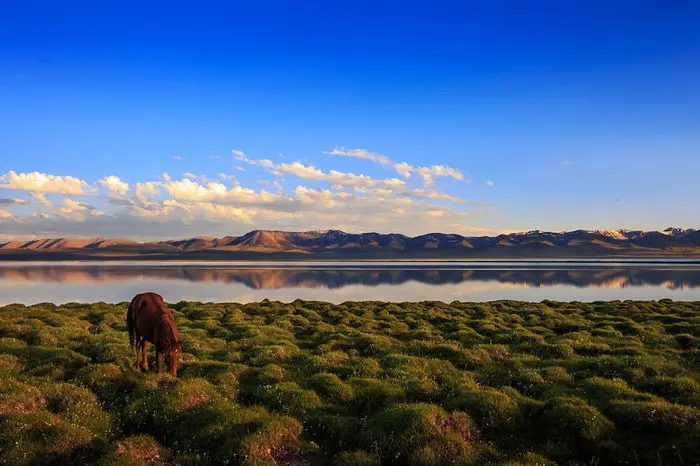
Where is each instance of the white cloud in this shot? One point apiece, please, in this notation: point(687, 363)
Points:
point(360, 154)
point(197, 205)
point(239, 155)
point(404, 169)
point(45, 183)
point(192, 211)
point(298, 169)
point(428, 174)
point(178, 157)
point(321, 197)
point(221, 211)
point(431, 194)
point(147, 190)
point(227, 177)
point(333, 177)
point(115, 185)
point(77, 209)
point(71, 206)
point(40, 198)
point(307, 209)
point(192, 176)
point(218, 193)
point(192, 191)
point(489, 183)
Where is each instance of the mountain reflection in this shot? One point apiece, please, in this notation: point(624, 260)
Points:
point(676, 277)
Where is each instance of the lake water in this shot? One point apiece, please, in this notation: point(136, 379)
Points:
point(336, 282)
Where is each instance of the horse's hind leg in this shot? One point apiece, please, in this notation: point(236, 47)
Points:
point(144, 356)
point(159, 361)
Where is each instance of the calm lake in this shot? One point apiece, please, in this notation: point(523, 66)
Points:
point(30, 283)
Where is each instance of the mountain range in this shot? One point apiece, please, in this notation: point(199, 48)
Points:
point(336, 244)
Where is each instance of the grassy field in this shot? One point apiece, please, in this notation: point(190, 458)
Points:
point(357, 383)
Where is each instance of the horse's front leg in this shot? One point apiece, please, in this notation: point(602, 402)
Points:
point(159, 361)
point(137, 366)
point(144, 356)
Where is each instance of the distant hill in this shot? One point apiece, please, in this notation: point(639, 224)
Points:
point(336, 244)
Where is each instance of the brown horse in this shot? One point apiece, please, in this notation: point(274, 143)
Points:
point(150, 321)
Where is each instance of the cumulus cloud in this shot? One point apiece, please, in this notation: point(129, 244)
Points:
point(298, 169)
point(71, 207)
point(322, 198)
point(308, 209)
point(115, 185)
point(44, 183)
point(428, 174)
point(215, 192)
point(209, 210)
point(147, 190)
point(489, 183)
point(195, 204)
point(192, 191)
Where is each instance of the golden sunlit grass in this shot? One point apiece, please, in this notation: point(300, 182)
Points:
point(357, 383)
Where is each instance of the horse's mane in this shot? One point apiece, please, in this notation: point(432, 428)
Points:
point(170, 336)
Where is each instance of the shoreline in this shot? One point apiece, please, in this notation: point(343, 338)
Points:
point(337, 261)
point(265, 301)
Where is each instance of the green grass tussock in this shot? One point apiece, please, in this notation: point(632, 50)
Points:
point(359, 383)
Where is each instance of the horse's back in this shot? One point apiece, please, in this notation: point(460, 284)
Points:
point(145, 310)
point(147, 302)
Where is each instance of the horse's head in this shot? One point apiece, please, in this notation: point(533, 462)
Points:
point(173, 357)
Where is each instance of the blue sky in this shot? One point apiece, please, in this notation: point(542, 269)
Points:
point(577, 114)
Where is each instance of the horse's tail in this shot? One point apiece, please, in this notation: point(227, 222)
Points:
point(130, 321)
